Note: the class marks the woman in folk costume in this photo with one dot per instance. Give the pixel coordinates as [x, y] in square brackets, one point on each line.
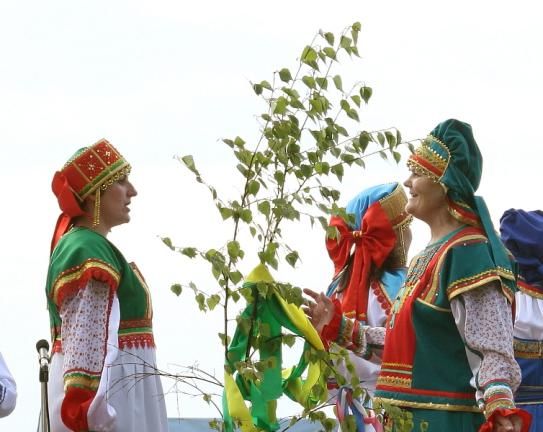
[8, 389]
[369, 257]
[522, 233]
[103, 362]
[448, 343]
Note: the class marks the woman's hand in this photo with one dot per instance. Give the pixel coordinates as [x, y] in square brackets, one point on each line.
[320, 311]
[512, 423]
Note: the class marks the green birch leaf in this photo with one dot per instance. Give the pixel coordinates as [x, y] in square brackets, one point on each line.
[365, 93]
[285, 75]
[309, 81]
[345, 43]
[353, 114]
[266, 85]
[329, 38]
[292, 257]
[213, 301]
[168, 242]
[177, 289]
[280, 105]
[253, 187]
[189, 252]
[338, 83]
[225, 212]
[330, 52]
[257, 89]
[264, 208]
[356, 100]
[309, 55]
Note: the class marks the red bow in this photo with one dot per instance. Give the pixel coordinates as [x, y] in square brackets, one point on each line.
[373, 243]
[68, 204]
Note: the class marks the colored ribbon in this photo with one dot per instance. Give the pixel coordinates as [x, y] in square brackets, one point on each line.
[270, 313]
[373, 243]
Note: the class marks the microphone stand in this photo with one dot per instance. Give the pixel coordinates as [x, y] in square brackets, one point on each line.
[44, 379]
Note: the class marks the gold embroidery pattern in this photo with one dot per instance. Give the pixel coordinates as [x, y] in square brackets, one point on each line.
[425, 152]
[428, 405]
[394, 206]
[528, 349]
[82, 380]
[532, 292]
[437, 308]
[393, 381]
[75, 273]
[430, 294]
[139, 276]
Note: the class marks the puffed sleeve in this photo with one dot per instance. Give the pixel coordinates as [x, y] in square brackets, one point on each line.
[89, 332]
[8, 389]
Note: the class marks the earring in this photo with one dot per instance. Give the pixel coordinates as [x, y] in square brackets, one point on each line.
[96, 216]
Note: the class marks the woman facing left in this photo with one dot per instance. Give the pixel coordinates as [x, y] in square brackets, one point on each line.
[102, 375]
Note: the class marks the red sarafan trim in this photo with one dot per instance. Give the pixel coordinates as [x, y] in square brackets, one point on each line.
[525, 416]
[101, 272]
[136, 341]
[437, 393]
[75, 408]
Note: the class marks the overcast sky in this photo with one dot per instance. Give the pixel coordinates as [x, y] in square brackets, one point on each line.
[164, 78]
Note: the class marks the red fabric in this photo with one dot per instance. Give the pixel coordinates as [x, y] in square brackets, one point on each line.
[68, 204]
[330, 331]
[373, 243]
[400, 341]
[525, 416]
[75, 408]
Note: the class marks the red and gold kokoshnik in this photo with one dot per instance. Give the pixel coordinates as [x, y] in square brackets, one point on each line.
[430, 159]
[97, 166]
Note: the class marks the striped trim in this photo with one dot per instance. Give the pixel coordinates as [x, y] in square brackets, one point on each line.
[75, 274]
[531, 290]
[528, 349]
[86, 380]
[427, 405]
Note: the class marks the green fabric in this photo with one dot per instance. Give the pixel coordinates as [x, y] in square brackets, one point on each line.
[82, 244]
[263, 394]
[445, 421]
[440, 363]
[462, 178]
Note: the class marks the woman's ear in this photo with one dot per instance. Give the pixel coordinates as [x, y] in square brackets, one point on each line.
[88, 203]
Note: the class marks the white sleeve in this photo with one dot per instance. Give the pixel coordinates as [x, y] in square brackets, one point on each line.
[483, 317]
[90, 322]
[8, 389]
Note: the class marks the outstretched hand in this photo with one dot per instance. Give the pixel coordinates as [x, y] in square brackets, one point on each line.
[507, 424]
[320, 311]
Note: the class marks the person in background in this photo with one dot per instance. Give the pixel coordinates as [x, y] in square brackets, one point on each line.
[369, 256]
[8, 389]
[448, 343]
[522, 233]
[103, 367]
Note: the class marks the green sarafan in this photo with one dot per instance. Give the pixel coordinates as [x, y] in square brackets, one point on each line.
[308, 137]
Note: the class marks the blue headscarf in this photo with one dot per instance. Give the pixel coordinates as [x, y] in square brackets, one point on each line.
[522, 233]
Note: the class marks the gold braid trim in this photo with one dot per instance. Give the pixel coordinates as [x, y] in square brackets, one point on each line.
[394, 381]
[427, 405]
[528, 349]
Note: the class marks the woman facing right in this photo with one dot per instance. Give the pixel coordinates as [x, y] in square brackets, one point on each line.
[448, 350]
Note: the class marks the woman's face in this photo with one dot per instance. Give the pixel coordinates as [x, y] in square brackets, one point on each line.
[426, 197]
[114, 203]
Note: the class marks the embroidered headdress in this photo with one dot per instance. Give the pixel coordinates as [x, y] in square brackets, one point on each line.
[522, 233]
[450, 156]
[379, 214]
[89, 170]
